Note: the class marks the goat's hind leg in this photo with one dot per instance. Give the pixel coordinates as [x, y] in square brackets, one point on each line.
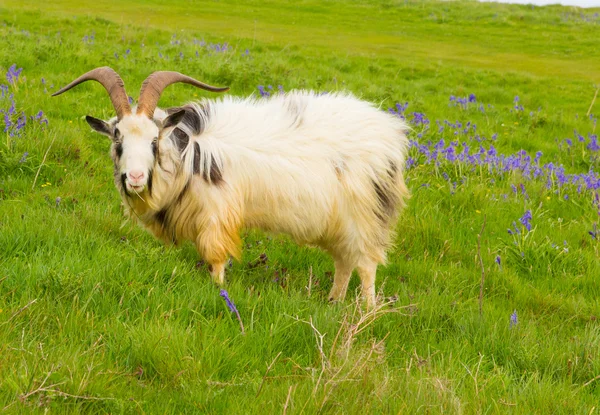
[343, 272]
[367, 270]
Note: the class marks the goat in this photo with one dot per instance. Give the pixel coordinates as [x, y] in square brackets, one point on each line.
[326, 169]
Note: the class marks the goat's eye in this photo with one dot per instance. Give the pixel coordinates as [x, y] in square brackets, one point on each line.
[117, 133]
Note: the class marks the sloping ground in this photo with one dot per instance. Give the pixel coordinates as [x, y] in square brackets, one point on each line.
[534, 40]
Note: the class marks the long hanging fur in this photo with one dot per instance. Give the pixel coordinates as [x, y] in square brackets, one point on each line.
[325, 169]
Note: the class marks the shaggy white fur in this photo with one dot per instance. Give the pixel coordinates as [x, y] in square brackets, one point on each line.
[325, 169]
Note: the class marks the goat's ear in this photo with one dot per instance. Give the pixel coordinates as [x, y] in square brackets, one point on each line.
[98, 125]
[173, 119]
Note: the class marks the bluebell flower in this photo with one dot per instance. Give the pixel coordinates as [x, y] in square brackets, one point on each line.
[12, 75]
[514, 320]
[232, 307]
[228, 301]
[263, 92]
[594, 233]
[526, 220]
[593, 144]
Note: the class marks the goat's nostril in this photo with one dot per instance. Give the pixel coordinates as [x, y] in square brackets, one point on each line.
[136, 175]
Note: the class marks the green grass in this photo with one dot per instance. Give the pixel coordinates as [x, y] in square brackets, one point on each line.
[98, 317]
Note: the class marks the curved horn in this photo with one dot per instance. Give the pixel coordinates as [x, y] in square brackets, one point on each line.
[113, 84]
[154, 85]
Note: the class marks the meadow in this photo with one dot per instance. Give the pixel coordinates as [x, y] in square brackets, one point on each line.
[489, 302]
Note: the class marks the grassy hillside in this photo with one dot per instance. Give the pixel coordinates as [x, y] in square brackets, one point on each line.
[489, 302]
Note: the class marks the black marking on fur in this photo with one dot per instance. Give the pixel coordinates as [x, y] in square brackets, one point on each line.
[119, 149]
[192, 120]
[180, 138]
[155, 148]
[393, 169]
[150, 182]
[182, 193]
[386, 199]
[123, 183]
[196, 158]
[161, 218]
[164, 220]
[215, 175]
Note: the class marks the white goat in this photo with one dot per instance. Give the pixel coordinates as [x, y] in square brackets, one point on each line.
[325, 169]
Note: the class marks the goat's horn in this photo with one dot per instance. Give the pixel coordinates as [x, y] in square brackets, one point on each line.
[113, 84]
[154, 85]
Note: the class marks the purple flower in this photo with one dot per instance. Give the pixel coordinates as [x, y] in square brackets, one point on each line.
[24, 157]
[513, 319]
[420, 118]
[499, 261]
[593, 234]
[12, 76]
[263, 92]
[514, 231]
[526, 220]
[232, 308]
[230, 303]
[593, 144]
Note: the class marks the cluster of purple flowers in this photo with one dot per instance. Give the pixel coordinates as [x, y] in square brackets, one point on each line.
[500, 164]
[399, 110]
[12, 75]
[471, 153]
[15, 121]
[518, 107]
[89, 39]
[463, 102]
[201, 44]
[590, 18]
[212, 47]
[526, 220]
[266, 92]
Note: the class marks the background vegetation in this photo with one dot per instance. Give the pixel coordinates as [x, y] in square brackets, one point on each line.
[96, 316]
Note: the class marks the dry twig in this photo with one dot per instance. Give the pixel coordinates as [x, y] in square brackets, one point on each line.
[266, 373]
[43, 161]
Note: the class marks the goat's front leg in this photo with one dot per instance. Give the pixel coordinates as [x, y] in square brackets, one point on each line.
[215, 244]
[217, 272]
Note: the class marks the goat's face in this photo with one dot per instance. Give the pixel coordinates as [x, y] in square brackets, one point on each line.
[135, 136]
[135, 147]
